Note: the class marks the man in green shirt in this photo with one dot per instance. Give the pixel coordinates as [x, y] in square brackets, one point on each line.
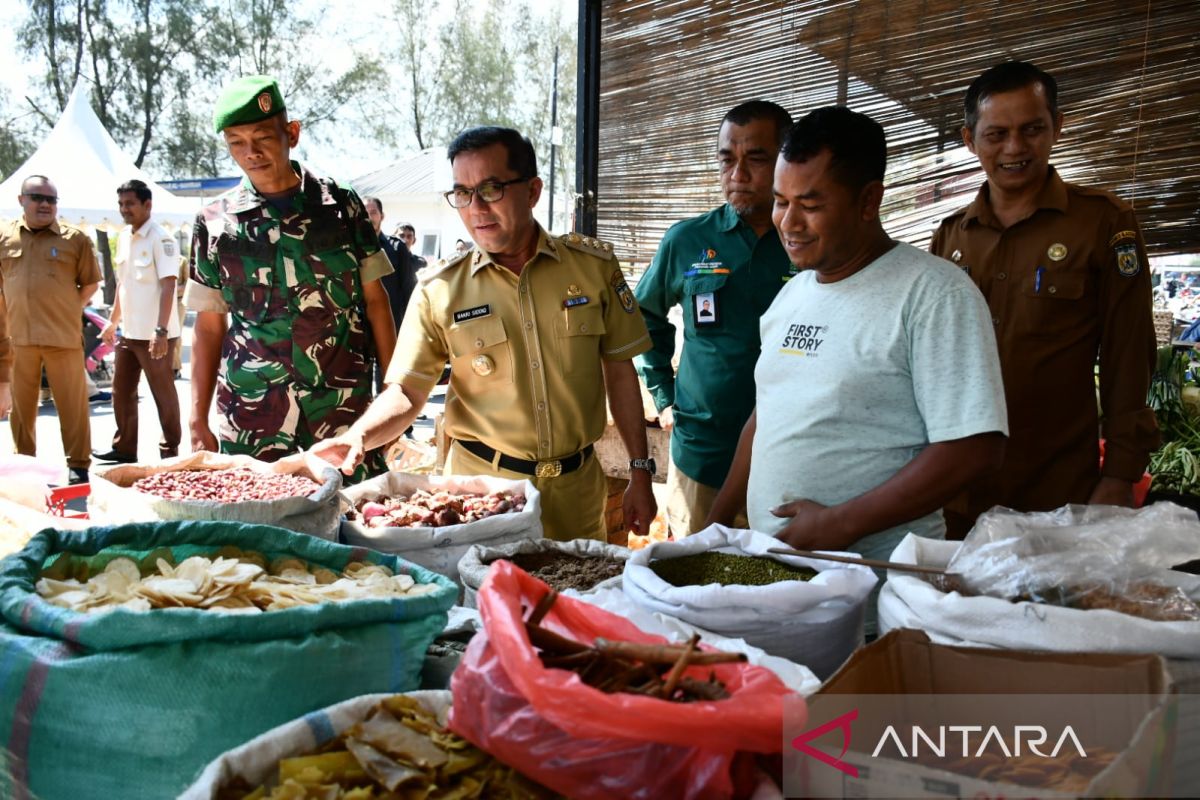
[724, 268]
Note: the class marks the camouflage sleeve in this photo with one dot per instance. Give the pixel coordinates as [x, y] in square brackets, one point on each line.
[366, 241]
[203, 261]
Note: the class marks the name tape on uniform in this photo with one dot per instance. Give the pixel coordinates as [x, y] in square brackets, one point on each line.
[473, 313]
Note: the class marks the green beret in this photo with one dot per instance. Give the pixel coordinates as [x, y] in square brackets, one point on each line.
[250, 98]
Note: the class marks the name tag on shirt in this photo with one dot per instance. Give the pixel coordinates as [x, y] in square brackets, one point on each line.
[473, 313]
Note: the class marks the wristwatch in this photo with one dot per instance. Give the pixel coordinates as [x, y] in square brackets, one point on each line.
[646, 464]
[160, 331]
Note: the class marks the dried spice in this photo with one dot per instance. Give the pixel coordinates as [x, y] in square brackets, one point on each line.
[727, 569]
[232, 581]
[425, 509]
[564, 571]
[399, 751]
[655, 670]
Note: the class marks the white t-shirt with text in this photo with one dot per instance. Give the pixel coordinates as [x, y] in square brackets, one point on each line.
[858, 376]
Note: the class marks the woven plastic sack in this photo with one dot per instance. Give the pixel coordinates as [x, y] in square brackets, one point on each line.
[113, 501]
[440, 549]
[473, 567]
[587, 744]
[817, 623]
[257, 760]
[132, 705]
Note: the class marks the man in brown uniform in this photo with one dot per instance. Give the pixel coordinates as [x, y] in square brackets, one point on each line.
[537, 330]
[48, 272]
[1064, 271]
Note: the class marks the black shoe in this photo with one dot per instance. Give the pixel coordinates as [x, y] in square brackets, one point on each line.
[78, 475]
[113, 457]
[101, 397]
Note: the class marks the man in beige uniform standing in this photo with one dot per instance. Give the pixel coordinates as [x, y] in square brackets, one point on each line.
[48, 272]
[537, 329]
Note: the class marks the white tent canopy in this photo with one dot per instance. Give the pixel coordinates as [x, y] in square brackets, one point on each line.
[87, 166]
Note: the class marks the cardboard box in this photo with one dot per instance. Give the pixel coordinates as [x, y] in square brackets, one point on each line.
[1111, 704]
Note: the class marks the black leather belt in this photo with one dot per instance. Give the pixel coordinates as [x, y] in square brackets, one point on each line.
[538, 469]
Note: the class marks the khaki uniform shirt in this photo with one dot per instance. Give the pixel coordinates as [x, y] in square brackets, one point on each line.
[6, 353]
[145, 257]
[1067, 283]
[41, 273]
[525, 352]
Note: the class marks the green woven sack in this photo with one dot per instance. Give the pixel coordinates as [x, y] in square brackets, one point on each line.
[134, 704]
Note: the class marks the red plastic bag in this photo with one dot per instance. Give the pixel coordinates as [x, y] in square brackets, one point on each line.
[587, 744]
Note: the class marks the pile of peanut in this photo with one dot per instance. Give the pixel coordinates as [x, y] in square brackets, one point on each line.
[424, 509]
[225, 485]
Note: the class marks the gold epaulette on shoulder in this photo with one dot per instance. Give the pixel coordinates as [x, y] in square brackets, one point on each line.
[587, 244]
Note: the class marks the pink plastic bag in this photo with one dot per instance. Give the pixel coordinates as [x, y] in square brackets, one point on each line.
[587, 744]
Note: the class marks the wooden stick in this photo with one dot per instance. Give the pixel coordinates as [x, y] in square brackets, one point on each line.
[866, 562]
[542, 608]
[677, 669]
[665, 654]
[553, 643]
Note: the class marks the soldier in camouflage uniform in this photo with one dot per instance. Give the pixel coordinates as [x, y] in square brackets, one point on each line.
[294, 260]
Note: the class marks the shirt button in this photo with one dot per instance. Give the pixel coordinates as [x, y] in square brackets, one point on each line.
[534, 365]
[1052, 290]
[541, 406]
[479, 342]
[528, 326]
[545, 445]
[1002, 276]
[995, 320]
[583, 328]
[524, 289]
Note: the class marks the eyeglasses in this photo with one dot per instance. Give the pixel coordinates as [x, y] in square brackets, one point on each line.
[488, 192]
[42, 198]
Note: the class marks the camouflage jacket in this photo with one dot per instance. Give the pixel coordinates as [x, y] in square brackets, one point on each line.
[295, 367]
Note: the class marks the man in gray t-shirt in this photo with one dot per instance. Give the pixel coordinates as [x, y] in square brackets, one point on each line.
[879, 391]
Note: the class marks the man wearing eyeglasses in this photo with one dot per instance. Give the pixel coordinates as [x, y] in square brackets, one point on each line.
[48, 272]
[292, 258]
[538, 330]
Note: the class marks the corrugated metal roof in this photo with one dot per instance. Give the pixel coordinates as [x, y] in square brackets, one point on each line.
[415, 175]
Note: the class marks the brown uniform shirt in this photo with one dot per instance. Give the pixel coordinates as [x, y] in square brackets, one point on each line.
[40, 275]
[525, 352]
[6, 354]
[1067, 283]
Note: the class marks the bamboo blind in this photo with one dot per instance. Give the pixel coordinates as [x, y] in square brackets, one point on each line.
[1128, 74]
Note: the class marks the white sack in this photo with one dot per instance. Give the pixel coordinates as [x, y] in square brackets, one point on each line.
[440, 549]
[257, 760]
[473, 567]
[113, 501]
[909, 601]
[817, 623]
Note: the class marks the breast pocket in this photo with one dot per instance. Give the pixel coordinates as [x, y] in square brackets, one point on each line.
[480, 348]
[245, 269]
[702, 302]
[580, 332]
[143, 268]
[1059, 302]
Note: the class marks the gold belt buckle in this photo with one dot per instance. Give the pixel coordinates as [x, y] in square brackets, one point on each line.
[548, 469]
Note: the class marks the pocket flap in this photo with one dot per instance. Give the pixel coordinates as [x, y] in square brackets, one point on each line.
[476, 335]
[1057, 286]
[700, 284]
[583, 321]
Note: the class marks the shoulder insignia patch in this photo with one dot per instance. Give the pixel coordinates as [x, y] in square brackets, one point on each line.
[1121, 236]
[1128, 263]
[587, 244]
[624, 295]
[169, 248]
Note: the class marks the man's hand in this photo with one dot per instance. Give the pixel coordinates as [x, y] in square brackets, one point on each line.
[5, 399]
[1112, 492]
[812, 527]
[666, 418]
[344, 452]
[109, 334]
[158, 347]
[638, 504]
[202, 438]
